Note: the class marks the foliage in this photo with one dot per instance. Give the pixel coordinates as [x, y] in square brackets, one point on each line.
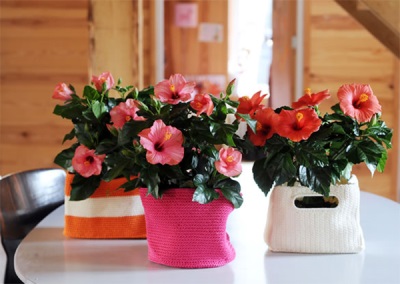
[327, 155]
[122, 148]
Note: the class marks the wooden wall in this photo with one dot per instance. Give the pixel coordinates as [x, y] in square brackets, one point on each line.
[184, 53]
[338, 51]
[123, 42]
[46, 42]
[42, 43]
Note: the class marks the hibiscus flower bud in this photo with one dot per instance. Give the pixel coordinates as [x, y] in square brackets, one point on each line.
[62, 92]
[202, 103]
[104, 77]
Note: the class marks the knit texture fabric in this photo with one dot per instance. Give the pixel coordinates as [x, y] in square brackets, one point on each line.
[186, 234]
[110, 213]
[315, 230]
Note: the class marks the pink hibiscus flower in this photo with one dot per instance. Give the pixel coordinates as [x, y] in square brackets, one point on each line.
[229, 163]
[62, 92]
[125, 112]
[86, 162]
[174, 90]
[104, 77]
[202, 103]
[311, 99]
[358, 101]
[297, 125]
[163, 144]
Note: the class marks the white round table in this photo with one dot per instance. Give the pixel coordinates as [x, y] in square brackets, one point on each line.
[46, 256]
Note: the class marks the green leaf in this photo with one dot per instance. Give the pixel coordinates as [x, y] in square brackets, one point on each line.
[71, 110]
[83, 134]
[83, 188]
[273, 170]
[252, 123]
[69, 136]
[231, 190]
[317, 179]
[116, 170]
[131, 185]
[64, 158]
[99, 108]
[90, 93]
[200, 179]
[382, 161]
[204, 195]
[150, 177]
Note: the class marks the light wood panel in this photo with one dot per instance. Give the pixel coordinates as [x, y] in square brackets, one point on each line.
[114, 39]
[342, 51]
[42, 43]
[283, 60]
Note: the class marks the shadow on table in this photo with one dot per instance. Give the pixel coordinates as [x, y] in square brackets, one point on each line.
[313, 268]
[62, 254]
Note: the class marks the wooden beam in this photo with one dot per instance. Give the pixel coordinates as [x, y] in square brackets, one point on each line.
[386, 33]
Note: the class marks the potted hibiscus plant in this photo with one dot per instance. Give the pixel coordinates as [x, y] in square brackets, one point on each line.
[172, 143]
[307, 161]
[184, 155]
[94, 208]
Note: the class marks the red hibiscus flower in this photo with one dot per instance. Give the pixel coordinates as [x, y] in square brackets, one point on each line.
[266, 119]
[311, 99]
[229, 163]
[358, 101]
[62, 92]
[125, 112]
[298, 125]
[250, 106]
[104, 77]
[86, 163]
[163, 144]
[174, 90]
[202, 103]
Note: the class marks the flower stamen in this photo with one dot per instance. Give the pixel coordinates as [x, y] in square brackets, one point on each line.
[230, 159]
[167, 135]
[363, 98]
[308, 91]
[299, 116]
[88, 161]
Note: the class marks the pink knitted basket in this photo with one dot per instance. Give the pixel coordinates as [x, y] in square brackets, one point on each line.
[186, 234]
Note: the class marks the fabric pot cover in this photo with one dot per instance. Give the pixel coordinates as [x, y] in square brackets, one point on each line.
[315, 230]
[186, 234]
[110, 213]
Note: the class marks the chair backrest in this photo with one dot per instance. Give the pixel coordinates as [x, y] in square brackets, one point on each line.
[27, 197]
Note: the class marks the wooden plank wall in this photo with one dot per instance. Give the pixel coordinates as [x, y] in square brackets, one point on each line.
[184, 53]
[341, 51]
[42, 43]
[114, 44]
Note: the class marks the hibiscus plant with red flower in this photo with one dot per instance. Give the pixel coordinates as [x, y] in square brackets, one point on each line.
[301, 145]
[164, 136]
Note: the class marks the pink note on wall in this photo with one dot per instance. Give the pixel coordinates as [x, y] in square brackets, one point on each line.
[186, 15]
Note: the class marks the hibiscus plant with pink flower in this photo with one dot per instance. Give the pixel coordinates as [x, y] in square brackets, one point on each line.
[164, 136]
[300, 144]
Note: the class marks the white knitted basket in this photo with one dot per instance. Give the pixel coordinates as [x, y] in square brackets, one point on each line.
[315, 230]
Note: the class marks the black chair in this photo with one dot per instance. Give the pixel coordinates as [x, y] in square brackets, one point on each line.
[25, 199]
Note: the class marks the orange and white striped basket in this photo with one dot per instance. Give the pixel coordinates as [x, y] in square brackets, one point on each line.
[110, 213]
